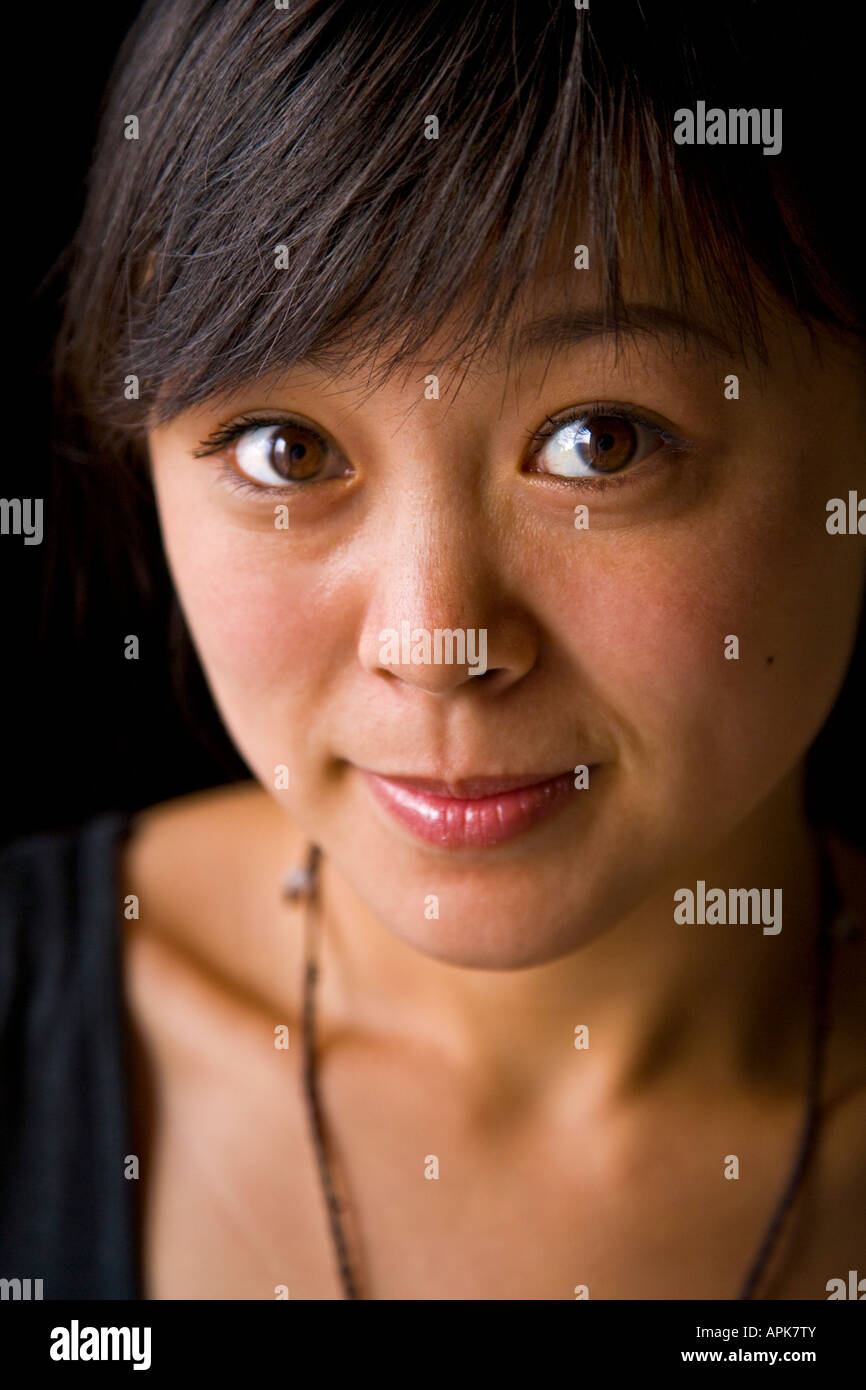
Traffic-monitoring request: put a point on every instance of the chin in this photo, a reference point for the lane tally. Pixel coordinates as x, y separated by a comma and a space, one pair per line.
493, 932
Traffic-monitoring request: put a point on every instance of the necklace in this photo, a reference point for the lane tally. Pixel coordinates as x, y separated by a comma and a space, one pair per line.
303, 882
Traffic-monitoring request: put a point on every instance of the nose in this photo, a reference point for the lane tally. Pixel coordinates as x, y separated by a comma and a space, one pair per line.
441, 617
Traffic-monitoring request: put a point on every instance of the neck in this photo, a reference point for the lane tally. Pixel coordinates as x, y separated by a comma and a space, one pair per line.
704, 1005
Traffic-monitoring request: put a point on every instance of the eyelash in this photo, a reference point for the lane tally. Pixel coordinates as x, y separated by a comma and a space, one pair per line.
223, 437
675, 446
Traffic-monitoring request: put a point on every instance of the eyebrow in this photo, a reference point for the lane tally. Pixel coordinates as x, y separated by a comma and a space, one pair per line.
569, 328
564, 329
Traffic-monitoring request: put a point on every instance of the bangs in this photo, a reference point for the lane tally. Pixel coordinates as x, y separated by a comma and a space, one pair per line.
283, 202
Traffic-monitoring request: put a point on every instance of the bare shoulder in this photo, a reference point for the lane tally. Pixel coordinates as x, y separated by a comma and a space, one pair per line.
845, 1091
212, 982
188, 823
208, 844
207, 871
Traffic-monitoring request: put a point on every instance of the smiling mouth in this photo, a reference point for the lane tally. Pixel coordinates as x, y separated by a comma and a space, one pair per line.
470, 812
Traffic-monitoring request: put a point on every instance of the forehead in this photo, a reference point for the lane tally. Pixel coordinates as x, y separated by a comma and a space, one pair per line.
566, 303
569, 300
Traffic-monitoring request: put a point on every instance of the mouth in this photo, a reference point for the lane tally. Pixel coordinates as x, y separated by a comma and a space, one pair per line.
470, 812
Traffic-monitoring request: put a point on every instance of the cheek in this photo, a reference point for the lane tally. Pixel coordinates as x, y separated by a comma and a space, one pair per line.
265, 626
649, 620
235, 593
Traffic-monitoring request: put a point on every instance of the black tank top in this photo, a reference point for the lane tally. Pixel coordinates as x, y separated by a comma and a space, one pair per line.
66, 1208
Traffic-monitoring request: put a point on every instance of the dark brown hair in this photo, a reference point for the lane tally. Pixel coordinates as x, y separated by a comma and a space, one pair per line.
304, 128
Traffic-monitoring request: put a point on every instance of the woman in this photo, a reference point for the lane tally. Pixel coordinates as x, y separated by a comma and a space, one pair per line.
494, 433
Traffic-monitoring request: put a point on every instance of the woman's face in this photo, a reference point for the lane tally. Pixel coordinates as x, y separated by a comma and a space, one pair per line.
609, 632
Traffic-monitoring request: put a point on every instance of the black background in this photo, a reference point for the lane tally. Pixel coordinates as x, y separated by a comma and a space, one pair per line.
85, 729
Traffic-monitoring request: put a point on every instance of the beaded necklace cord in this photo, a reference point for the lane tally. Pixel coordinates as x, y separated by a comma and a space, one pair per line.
303, 882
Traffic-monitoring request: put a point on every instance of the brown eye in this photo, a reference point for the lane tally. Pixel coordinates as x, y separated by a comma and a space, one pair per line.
295, 453
610, 443
276, 454
593, 445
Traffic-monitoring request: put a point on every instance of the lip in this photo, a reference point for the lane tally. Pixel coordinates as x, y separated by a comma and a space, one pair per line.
470, 812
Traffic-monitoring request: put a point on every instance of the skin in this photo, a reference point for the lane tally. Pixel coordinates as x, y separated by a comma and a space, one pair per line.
454, 1036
